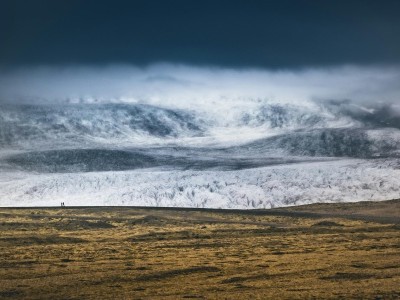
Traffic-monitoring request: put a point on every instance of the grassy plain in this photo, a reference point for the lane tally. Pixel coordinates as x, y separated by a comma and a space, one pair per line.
323, 251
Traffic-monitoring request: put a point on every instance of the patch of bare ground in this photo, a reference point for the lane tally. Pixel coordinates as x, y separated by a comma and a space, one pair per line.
323, 251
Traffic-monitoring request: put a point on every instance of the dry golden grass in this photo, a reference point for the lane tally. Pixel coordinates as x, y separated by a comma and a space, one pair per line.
135, 253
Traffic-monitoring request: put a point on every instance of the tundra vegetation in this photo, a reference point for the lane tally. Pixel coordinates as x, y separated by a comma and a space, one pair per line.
330, 251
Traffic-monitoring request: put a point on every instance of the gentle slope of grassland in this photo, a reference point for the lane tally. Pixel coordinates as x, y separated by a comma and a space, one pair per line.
317, 251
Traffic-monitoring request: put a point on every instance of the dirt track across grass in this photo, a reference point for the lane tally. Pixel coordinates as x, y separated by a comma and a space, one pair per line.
321, 251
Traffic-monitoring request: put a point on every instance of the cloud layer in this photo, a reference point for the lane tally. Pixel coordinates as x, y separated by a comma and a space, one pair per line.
185, 86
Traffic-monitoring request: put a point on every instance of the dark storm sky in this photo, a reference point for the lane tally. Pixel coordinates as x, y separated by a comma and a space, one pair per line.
283, 34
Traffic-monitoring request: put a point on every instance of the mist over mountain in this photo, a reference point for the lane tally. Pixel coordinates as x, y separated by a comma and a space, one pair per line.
183, 86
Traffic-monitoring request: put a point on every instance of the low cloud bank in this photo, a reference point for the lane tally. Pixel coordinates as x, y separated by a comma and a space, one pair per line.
186, 86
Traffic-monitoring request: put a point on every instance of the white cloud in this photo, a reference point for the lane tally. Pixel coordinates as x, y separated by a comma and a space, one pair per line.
186, 86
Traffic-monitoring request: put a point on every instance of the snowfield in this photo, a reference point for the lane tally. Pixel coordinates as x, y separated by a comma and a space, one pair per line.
274, 186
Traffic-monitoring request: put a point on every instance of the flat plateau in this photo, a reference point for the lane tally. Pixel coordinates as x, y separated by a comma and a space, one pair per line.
319, 251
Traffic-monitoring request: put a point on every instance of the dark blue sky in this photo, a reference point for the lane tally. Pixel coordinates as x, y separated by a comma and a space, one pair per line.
267, 34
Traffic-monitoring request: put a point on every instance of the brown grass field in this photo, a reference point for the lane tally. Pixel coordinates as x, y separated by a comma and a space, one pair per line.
322, 251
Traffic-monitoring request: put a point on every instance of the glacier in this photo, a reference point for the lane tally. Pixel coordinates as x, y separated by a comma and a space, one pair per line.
202, 139
345, 180
140, 155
